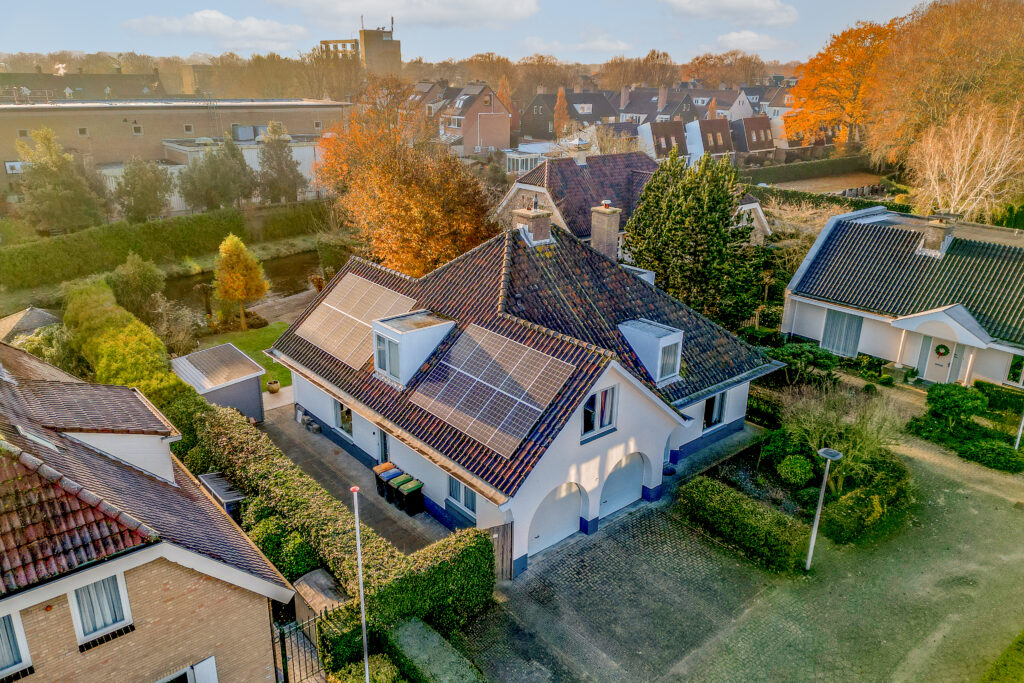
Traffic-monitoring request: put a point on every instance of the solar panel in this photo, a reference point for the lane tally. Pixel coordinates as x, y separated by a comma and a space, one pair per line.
492, 388
340, 325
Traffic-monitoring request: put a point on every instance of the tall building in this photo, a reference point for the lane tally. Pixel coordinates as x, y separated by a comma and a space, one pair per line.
378, 51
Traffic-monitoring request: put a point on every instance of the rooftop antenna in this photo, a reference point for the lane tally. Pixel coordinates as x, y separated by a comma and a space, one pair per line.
392, 23
362, 24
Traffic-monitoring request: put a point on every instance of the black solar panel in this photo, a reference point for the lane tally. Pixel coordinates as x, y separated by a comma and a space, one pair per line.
492, 388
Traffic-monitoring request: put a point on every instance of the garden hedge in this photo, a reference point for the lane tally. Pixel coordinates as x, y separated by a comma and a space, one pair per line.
764, 407
863, 508
382, 670
803, 170
796, 196
765, 535
1001, 398
120, 348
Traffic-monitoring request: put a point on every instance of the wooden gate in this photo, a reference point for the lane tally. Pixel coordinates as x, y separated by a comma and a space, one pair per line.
501, 537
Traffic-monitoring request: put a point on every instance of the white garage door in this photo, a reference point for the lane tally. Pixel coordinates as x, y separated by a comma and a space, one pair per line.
623, 485
557, 517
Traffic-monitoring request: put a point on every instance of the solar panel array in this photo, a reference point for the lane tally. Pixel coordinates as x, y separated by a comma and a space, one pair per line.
340, 325
492, 388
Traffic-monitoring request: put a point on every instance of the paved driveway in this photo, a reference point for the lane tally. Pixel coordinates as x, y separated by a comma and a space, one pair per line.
648, 599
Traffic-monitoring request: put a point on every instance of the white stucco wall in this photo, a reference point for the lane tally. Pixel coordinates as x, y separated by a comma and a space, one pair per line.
808, 319
147, 452
991, 365
879, 339
316, 401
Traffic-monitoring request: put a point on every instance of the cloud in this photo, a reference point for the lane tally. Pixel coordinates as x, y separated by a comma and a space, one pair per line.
740, 12
249, 33
344, 14
750, 41
603, 44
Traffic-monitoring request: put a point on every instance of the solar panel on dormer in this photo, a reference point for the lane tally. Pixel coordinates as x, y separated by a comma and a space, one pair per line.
340, 324
492, 388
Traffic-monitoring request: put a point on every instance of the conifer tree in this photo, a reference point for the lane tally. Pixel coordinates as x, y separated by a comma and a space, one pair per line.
56, 195
279, 177
238, 277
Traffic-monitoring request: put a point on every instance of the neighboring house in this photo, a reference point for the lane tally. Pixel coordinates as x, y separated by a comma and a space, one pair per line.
753, 135
569, 189
475, 122
729, 104
943, 297
117, 565
532, 384
659, 138
40, 87
647, 105
584, 109
527, 156
25, 321
750, 208
423, 96
708, 136
224, 376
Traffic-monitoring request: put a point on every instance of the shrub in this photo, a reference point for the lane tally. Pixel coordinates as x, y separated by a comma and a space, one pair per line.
254, 511
1001, 398
871, 389
803, 170
288, 221
887, 490
761, 336
134, 283
269, 537
955, 405
807, 497
296, 557
426, 657
175, 324
998, 455
764, 407
795, 470
778, 446
806, 362
763, 194
197, 460
765, 535
54, 345
382, 670
887, 380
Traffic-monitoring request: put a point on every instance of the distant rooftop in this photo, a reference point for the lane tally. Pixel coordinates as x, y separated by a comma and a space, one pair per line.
172, 103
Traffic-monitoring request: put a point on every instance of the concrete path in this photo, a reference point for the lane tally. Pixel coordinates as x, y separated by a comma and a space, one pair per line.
286, 309
337, 471
285, 396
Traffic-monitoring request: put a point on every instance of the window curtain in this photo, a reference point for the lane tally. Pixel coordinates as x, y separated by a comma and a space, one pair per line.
10, 655
99, 605
842, 333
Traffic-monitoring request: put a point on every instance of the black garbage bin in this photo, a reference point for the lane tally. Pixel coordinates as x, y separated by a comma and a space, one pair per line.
381, 475
411, 497
393, 484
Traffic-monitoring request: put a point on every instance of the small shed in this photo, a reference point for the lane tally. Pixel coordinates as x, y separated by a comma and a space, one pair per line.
225, 376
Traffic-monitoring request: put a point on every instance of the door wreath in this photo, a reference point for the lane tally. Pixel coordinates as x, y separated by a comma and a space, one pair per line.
941, 350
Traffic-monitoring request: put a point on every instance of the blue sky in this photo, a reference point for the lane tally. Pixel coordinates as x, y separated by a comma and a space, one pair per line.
575, 30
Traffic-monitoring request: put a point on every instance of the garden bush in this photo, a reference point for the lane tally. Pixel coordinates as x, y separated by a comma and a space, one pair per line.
382, 670
954, 404
761, 336
806, 363
795, 470
296, 557
268, 535
287, 221
993, 453
96, 250
764, 407
765, 535
1001, 398
254, 510
425, 657
796, 196
197, 460
803, 170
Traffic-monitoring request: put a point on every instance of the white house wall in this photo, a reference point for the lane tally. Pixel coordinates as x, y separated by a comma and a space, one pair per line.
991, 365
320, 404
808, 319
879, 339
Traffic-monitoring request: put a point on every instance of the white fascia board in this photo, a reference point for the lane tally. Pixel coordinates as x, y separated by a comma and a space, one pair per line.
137, 558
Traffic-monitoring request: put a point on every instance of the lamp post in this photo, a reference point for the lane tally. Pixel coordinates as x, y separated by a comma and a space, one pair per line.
829, 454
362, 598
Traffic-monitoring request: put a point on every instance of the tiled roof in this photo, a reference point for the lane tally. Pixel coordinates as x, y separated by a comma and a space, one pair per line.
71, 505
25, 322
88, 86
601, 108
577, 188
22, 364
215, 367
876, 267
564, 299
84, 407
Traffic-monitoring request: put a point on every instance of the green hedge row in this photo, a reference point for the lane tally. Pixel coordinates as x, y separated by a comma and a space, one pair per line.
1000, 397
764, 407
100, 249
120, 348
765, 535
971, 441
815, 199
802, 170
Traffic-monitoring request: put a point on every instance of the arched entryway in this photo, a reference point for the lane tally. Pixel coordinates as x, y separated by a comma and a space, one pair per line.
623, 485
557, 517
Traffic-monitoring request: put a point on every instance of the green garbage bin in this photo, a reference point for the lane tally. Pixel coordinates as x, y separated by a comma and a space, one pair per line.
393, 484
410, 497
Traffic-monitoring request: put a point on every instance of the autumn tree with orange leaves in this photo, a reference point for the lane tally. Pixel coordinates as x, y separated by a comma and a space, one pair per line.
835, 84
561, 113
414, 205
505, 92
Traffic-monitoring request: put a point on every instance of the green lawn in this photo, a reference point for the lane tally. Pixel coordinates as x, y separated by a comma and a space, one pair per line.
253, 343
1009, 668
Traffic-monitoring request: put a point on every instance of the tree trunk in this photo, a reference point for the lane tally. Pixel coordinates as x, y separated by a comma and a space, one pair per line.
241, 311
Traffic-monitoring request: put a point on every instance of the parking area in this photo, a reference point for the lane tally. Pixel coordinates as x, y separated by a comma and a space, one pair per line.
649, 599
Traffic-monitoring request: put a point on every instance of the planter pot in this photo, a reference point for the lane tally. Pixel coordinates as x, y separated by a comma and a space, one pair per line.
273, 386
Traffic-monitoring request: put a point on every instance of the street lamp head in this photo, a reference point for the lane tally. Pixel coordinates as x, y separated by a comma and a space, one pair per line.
829, 454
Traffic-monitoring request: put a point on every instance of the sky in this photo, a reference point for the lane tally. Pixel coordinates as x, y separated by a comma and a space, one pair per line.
588, 31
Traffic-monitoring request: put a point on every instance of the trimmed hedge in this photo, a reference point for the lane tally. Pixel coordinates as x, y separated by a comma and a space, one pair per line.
765, 535
802, 170
426, 657
1001, 398
863, 508
993, 453
1009, 668
281, 222
815, 199
764, 407
120, 348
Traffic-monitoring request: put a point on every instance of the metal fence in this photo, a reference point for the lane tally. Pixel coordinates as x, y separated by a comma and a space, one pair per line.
296, 654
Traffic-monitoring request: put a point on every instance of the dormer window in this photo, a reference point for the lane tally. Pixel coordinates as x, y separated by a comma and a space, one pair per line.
669, 366
386, 357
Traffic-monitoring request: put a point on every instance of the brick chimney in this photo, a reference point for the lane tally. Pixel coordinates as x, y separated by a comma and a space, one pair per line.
623, 97
604, 229
536, 221
662, 98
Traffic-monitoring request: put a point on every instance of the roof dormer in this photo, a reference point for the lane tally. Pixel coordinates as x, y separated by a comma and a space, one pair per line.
402, 343
659, 348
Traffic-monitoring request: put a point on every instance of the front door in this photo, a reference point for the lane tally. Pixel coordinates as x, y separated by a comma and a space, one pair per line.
957, 362
384, 455
937, 366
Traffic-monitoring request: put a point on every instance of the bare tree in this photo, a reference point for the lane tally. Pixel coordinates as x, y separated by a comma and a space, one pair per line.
971, 165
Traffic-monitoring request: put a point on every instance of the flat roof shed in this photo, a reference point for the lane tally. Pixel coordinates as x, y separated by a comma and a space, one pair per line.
225, 376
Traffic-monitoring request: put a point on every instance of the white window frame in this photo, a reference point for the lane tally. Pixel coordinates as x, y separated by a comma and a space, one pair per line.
21, 640
677, 358
386, 369
190, 672
464, 493
76, 618
339, 408
719, 407
1020, 380
602, 423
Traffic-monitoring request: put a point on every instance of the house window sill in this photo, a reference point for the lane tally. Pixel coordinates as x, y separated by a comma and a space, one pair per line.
714, 428
598, 435
18, 675
106, 637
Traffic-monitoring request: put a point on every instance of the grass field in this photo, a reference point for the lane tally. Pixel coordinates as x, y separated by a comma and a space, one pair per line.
253, 343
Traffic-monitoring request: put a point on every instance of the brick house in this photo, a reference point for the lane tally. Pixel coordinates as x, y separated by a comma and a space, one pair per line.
475, 122
116, 564
584, 109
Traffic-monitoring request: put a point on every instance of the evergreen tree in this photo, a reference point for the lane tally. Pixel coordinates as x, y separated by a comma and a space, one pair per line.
143, 191
238, 277
219, 178
279, 177
684, 229
56, 193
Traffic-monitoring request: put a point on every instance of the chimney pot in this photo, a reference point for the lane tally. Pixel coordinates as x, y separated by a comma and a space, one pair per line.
536, 221
604, 229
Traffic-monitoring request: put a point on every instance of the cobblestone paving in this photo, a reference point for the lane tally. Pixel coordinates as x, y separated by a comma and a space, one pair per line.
647, 599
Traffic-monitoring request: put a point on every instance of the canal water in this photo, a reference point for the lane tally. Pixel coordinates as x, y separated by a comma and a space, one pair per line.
287, 275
